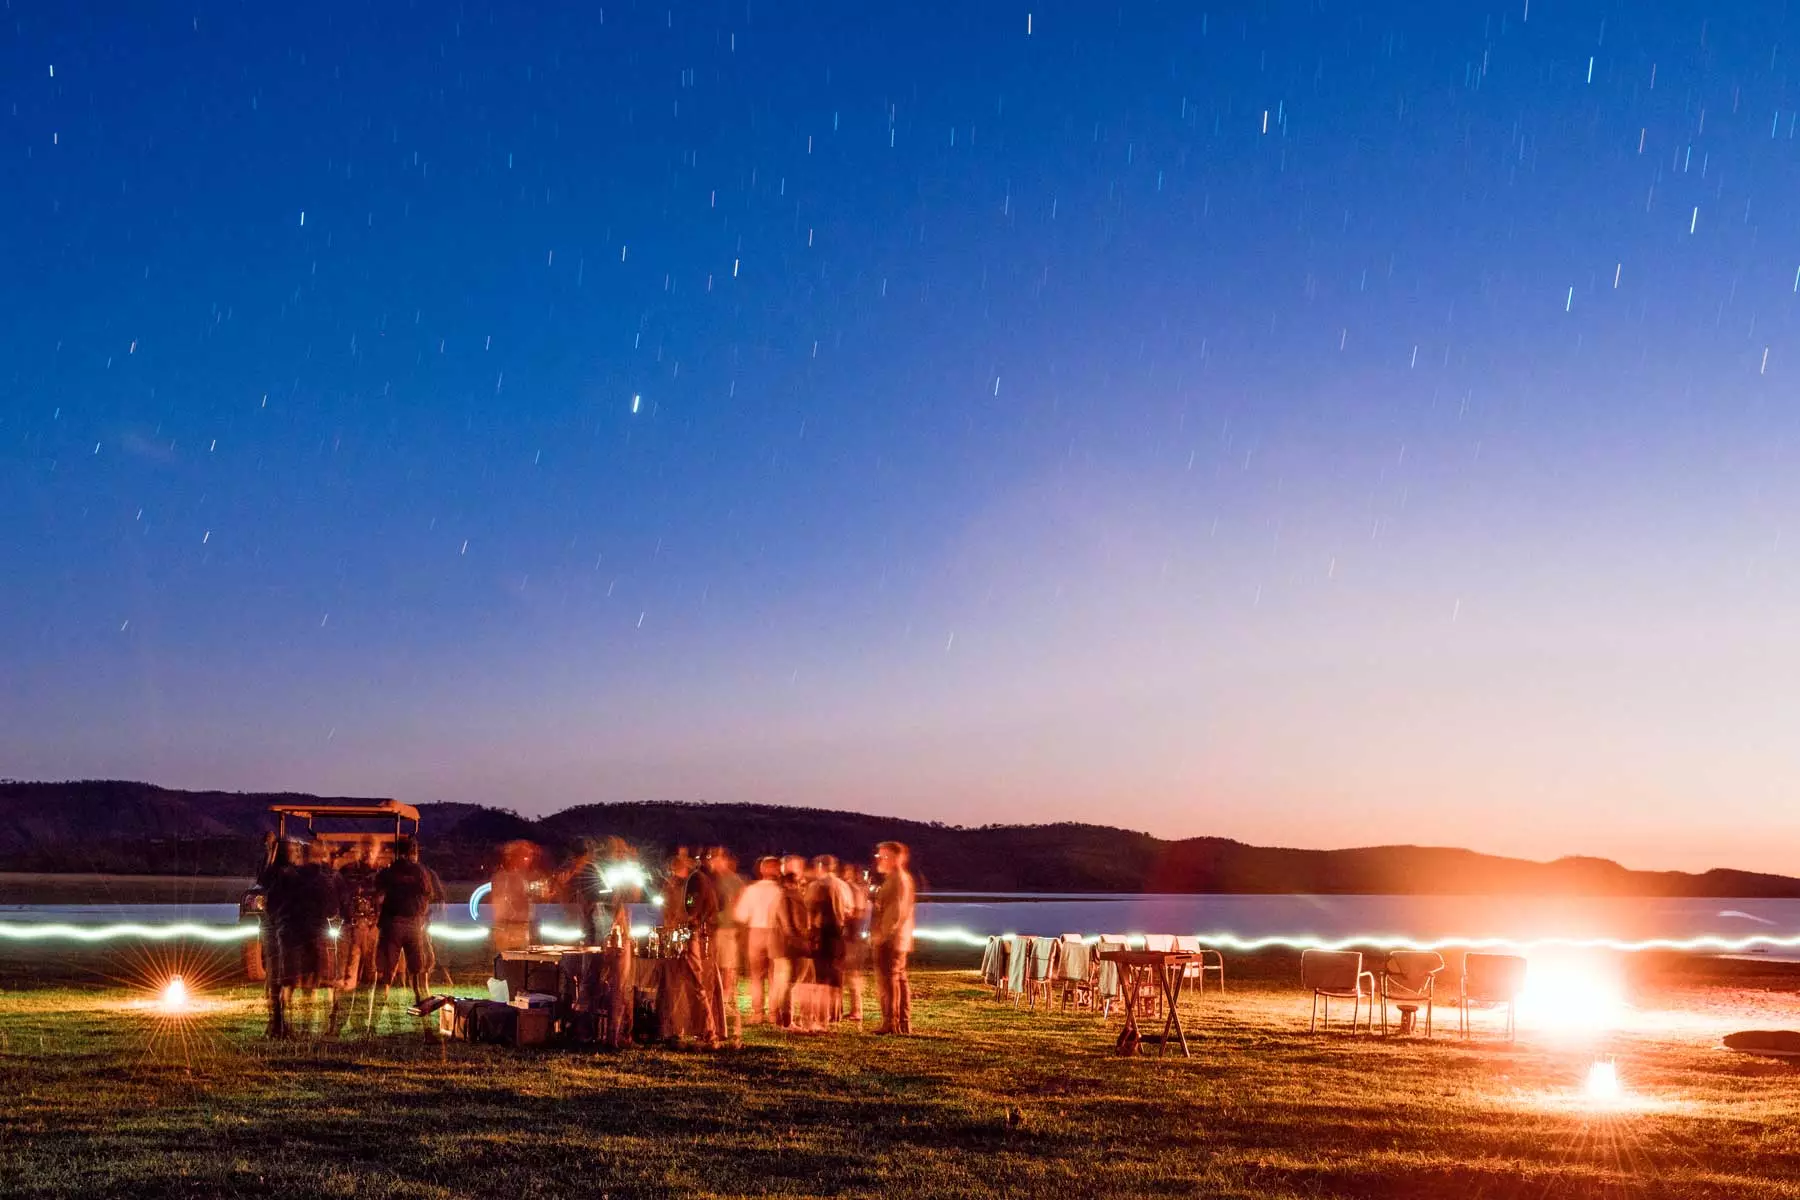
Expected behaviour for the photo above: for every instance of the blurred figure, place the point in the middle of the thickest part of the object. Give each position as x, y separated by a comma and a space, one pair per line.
728, 944
700, 903
827, 902
511, 897
891, 935
579, 887
674, 891
360, 906
755, 915
620, 879
407, 892
276, 880
312, 899
792, 966
856, 946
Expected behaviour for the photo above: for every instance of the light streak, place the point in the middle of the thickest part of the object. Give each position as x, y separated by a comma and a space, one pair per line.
475, 898
35, 931
38, 931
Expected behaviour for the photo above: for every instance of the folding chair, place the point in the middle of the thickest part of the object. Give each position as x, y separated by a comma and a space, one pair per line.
993, 965
1211, 961
1492, 979
1410, 981
1041, 958
1339, 974
1107, 988
1018, 967
1074, 974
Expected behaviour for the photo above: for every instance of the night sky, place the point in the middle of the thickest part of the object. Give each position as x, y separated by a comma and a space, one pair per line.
1318, 424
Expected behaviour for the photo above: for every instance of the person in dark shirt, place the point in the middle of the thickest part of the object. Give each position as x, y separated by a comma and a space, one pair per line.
407, 892
274, 880
311, 898
357, 937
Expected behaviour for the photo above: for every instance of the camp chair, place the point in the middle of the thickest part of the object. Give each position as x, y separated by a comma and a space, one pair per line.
1211, 961
1041, 959
994, 965
1018, 966
1107, 988
1340, 974
1159, 941
1074, 976
1493, 979
1410, 981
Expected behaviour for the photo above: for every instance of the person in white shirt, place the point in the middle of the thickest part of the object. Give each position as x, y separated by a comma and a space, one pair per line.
755, 912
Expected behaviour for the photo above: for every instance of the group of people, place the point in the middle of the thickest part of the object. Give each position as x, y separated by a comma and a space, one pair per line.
802, 935
382, 913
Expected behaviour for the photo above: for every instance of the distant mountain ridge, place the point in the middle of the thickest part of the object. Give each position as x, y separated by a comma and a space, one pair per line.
137, 828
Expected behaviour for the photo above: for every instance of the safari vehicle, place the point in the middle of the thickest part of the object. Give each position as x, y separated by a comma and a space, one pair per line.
342, 827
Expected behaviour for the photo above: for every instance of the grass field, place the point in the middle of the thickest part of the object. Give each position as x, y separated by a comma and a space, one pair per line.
105, 1099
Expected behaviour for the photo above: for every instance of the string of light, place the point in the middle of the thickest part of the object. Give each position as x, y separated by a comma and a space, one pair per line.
41, 931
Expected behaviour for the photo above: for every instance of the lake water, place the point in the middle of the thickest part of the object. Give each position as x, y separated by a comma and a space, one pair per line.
1403, 918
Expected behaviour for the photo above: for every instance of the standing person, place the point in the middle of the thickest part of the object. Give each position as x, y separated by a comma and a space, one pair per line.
510, 894
728, 946
701, 905
792, 967
403, 923
891, 935
755, 915
827, 903
621, 881
314, 898
856, 946
357, 938
275, 879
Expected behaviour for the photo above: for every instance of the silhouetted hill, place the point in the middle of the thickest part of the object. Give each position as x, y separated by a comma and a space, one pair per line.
120, 827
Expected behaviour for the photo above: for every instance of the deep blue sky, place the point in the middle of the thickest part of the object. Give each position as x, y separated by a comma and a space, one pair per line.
1317, 424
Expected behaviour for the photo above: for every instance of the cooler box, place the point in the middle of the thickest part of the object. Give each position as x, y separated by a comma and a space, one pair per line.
534, 1001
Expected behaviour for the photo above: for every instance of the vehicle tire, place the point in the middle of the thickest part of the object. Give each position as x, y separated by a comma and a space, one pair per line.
253, 959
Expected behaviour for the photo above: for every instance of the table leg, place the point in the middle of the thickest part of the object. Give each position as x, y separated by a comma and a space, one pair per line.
1172, 981
1129, 983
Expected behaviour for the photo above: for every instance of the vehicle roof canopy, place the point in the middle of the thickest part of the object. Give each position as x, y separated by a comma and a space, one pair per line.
389, 809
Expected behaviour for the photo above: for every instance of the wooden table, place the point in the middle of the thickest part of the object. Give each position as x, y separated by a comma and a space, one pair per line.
1169, 967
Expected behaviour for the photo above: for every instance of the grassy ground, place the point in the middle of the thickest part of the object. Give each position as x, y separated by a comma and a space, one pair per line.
108, 1100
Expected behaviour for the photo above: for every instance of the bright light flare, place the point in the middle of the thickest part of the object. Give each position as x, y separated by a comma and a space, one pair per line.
1573, 996
175, 999
1603, 1086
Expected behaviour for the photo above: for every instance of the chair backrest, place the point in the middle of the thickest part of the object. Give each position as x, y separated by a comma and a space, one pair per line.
1106, 980
993, 961
1017, 962
1044, 954
1493, 977
1187, 945
1073, 937
1159, 941
1330, 970
1413, 969
1117, 941
1076, 961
